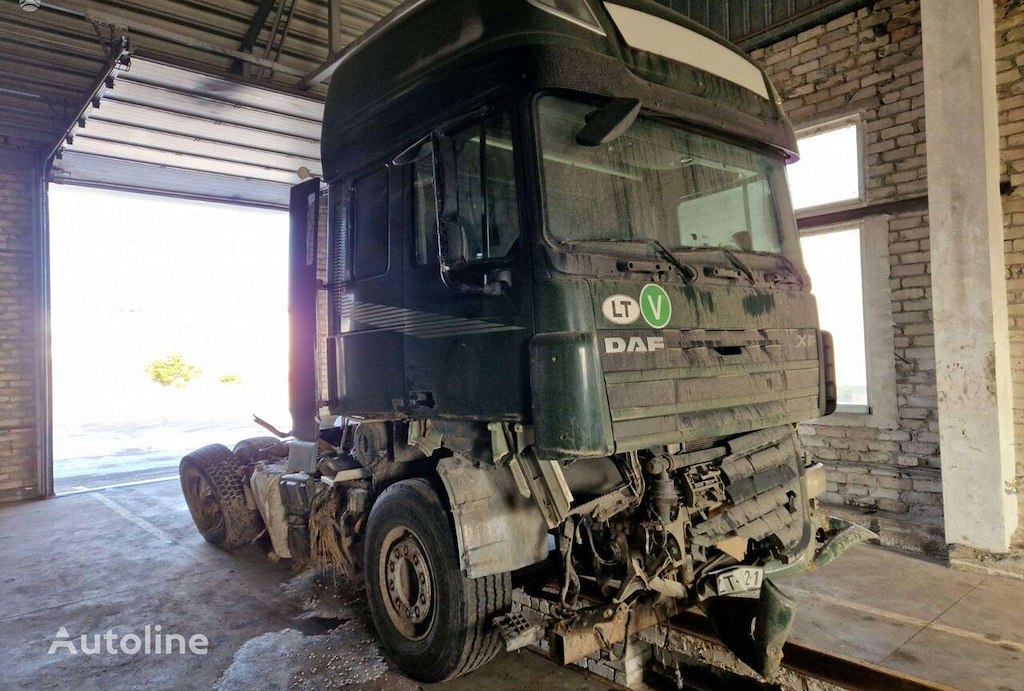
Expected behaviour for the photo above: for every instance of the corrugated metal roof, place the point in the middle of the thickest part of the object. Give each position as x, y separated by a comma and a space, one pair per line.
752, 24
164, 129
50, 59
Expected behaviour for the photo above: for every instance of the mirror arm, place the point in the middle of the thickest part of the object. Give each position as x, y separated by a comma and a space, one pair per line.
608, 123
446, 193
447, 199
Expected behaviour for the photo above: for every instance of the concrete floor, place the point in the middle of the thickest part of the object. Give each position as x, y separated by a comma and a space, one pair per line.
964, 630
129, 557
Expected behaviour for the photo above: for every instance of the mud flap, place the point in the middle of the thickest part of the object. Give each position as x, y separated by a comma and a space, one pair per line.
754, 629
496, 528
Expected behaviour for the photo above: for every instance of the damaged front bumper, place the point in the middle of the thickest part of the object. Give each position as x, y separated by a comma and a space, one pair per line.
755, 630
753, 625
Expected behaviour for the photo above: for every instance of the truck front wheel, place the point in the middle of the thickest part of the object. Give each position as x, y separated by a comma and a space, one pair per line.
434, 622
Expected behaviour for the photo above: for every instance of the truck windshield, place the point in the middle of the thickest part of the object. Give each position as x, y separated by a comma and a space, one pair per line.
656, 181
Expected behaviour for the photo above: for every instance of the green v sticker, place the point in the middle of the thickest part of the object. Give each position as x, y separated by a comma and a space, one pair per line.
655, 306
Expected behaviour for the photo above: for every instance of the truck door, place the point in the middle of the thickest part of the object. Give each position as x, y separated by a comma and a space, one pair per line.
466, 354
366, 353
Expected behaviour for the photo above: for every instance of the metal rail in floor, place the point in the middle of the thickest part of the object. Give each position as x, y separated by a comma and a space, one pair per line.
798, 658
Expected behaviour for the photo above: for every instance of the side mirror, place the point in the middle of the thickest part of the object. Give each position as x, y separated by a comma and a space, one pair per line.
451, 239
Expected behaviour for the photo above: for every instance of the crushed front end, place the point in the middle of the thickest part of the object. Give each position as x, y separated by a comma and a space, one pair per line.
692, 525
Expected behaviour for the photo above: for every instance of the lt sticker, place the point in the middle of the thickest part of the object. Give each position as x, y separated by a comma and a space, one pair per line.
655, 306
621, 309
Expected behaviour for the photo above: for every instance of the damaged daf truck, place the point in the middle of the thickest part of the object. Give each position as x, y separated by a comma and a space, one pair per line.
568, 339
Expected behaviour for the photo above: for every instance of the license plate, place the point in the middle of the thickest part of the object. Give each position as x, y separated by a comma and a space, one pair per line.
741, 579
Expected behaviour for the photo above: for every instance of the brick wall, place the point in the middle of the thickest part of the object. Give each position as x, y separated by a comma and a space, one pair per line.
19, 311
869, 63
1010, 91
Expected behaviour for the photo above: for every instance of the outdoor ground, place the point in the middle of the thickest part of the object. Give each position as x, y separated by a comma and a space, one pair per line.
203, 282
104, 455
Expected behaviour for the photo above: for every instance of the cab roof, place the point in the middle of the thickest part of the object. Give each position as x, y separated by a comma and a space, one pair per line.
430, 54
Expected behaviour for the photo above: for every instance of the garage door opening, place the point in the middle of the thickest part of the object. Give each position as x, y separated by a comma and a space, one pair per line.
169, 330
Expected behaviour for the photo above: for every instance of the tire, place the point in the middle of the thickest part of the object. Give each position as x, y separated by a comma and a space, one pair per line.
249, 451
451, 634
214, 490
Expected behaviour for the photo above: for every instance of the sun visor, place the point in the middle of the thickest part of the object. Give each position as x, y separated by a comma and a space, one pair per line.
653, 34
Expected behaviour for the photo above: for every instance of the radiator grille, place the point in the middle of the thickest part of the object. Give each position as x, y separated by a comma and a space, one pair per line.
762, 484
710, 384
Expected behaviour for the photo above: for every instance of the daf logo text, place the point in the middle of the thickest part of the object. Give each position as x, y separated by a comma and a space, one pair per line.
634, 344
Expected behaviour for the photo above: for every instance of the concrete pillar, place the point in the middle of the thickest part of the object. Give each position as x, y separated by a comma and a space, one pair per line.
968, 280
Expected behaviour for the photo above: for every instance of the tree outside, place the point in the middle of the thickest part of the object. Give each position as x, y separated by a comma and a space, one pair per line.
172, 370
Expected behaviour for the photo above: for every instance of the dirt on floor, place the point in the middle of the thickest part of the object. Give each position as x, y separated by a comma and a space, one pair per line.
332, 645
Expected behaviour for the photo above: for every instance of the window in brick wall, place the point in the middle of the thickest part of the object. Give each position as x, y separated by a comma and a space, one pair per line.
829, 169
833, 259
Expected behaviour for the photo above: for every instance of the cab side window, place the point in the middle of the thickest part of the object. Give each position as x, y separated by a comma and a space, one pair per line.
488, 209
424, 207
369, 225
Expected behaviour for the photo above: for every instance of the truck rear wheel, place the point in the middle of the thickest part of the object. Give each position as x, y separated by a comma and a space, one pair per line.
215, 493
433, 621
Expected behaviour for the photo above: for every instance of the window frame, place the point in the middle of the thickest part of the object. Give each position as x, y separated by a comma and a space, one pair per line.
854, 408
879, 340
856, 120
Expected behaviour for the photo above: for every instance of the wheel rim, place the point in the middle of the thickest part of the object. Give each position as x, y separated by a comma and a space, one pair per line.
206, 509
406, 583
